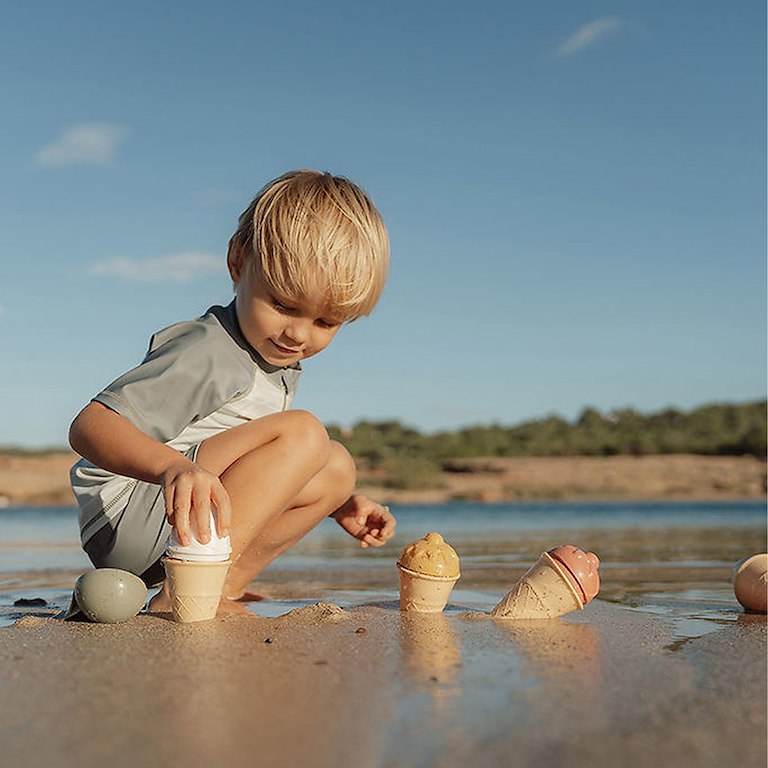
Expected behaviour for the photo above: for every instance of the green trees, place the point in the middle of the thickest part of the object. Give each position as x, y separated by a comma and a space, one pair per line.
720, 429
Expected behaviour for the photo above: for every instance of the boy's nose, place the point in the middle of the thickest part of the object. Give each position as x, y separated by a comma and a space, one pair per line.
297, 332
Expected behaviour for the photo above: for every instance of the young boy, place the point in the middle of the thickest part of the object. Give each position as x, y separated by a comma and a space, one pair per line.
202, 425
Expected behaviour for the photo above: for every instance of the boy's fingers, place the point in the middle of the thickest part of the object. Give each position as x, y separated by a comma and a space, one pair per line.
181, 505
201, 506
388, 529
169, 513
181, 524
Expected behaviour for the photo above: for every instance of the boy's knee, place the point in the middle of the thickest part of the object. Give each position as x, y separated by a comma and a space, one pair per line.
307, 432
341, 467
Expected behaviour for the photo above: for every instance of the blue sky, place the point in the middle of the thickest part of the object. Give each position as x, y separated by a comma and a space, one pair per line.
575, 194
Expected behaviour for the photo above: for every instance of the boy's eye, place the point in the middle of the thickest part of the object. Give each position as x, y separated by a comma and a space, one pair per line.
288, 309
277, 304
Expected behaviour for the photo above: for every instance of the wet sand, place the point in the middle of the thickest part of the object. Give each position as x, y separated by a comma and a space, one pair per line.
369, 686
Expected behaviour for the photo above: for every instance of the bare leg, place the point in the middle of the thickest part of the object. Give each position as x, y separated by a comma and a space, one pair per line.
283, 475
324, 493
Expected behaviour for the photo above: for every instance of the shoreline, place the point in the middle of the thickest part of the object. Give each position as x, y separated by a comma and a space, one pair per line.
369, 686
44, 480
664, 667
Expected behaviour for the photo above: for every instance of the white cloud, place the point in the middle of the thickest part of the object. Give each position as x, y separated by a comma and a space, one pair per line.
83, 144
588, 35
177, 267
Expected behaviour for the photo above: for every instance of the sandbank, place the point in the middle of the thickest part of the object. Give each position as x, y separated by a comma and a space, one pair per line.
44, 479
369, 686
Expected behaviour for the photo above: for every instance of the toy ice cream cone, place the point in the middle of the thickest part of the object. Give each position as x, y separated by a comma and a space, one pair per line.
195, 588
428, 570
423, 593
195, 573
562, 580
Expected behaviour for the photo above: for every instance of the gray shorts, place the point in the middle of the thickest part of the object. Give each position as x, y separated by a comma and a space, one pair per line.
135, 540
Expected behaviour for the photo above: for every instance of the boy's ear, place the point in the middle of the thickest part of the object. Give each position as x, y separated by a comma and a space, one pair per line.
234, 260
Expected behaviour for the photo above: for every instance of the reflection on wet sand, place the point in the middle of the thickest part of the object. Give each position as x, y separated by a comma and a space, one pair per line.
429, 647
556, 649
431, 659
202, 719
564, 662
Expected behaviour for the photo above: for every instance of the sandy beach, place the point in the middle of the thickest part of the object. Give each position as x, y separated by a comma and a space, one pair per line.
44, 479
369, 686
664, 668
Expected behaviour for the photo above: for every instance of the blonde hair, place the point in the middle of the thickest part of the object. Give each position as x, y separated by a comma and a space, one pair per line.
308, 230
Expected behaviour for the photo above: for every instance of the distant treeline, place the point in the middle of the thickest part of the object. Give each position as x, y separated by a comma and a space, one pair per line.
713, 430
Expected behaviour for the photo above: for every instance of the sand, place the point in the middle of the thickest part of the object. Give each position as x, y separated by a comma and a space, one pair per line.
44, 479
369, 686
580, 478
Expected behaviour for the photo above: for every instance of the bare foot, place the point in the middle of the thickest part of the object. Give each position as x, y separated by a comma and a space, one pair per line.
246, 596
160, 603
229, 607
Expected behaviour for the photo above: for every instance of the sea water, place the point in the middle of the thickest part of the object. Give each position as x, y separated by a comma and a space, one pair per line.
655, 556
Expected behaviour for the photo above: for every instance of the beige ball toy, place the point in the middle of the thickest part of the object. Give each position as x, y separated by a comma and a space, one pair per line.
750, 583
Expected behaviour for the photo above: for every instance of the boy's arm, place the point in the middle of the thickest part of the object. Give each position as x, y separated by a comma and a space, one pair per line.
110, 441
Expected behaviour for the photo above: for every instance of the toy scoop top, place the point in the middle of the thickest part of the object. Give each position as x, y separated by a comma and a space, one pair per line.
217, 549
431, 556
580, 567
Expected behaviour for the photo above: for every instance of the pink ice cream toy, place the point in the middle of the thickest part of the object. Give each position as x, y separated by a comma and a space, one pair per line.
563, 579
580, 567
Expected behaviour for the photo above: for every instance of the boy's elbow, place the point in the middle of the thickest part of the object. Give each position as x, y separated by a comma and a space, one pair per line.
78, 429
74, 435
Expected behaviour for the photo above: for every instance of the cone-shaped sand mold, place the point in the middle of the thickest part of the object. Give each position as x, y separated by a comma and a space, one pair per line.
428, 570
562, 580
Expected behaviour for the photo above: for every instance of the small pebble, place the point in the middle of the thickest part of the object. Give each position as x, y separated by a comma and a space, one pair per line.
360, 631
29, 602
268, 640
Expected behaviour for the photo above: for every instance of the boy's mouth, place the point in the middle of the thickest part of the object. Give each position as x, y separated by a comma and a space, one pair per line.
285, 350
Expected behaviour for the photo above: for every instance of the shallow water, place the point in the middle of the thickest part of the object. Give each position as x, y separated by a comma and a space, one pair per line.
670, 559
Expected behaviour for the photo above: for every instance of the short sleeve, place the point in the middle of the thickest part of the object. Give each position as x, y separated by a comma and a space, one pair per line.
190, 370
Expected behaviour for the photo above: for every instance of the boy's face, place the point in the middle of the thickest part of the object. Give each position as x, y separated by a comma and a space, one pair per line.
282, 330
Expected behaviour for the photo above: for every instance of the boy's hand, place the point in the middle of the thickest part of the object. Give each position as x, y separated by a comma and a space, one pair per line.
366, 520
190, 494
